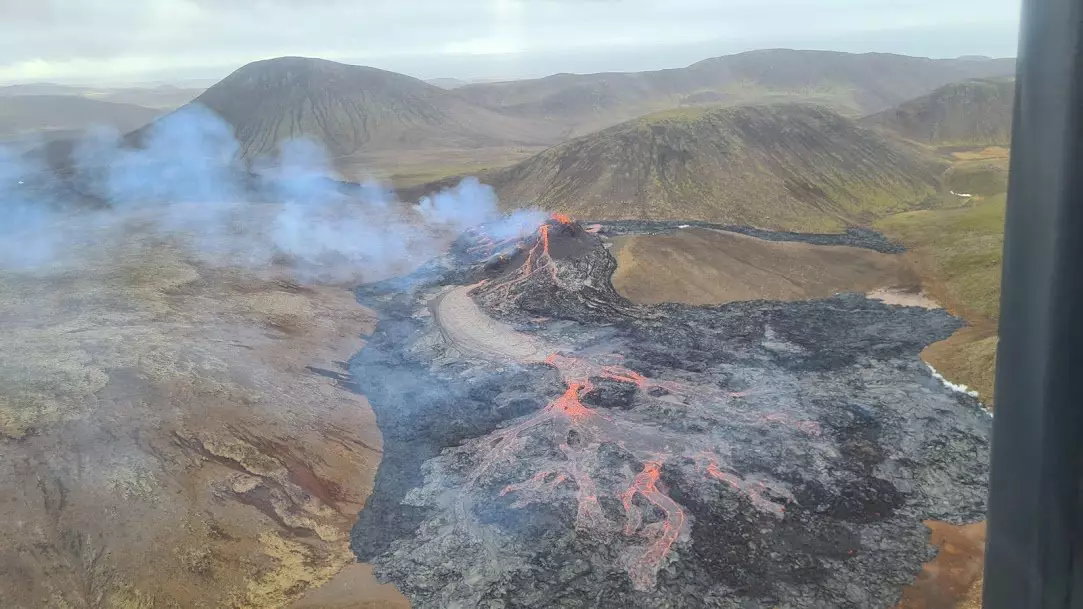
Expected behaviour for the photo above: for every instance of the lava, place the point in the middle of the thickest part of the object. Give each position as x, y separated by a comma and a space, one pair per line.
755, 491
571, 419
537, 260
644, 568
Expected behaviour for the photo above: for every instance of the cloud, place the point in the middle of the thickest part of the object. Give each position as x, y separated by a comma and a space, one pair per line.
68, 38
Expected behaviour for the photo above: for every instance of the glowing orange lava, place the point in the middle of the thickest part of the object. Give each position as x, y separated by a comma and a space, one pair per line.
567, 413
537, 259
753, 490
644, 568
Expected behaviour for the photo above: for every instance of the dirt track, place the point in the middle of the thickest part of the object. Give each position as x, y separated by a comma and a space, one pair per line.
475, 334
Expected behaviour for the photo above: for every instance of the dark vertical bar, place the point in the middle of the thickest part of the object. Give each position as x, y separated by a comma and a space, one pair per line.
1033, 555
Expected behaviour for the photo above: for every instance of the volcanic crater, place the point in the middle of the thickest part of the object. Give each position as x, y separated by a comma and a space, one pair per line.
549, 443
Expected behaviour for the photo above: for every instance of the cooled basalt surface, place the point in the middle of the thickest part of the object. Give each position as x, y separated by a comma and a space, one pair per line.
547, 443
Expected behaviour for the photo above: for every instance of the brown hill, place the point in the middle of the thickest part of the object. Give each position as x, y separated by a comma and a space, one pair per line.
973, 112
50, 116
792, 166
852, 83
354, 109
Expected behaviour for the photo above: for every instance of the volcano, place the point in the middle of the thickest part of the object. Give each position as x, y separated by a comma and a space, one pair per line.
548, 443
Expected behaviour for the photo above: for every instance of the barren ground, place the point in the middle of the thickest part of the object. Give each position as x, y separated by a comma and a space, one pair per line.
175, 435
698, 266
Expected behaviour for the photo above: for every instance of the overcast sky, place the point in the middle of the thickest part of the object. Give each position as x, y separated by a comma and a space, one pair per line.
110, 41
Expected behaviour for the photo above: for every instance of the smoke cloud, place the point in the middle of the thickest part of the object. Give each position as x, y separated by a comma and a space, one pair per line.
183, 181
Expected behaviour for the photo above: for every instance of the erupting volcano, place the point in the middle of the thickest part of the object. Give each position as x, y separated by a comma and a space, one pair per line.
548, 443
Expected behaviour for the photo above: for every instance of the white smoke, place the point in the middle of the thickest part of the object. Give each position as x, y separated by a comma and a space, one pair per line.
183, 181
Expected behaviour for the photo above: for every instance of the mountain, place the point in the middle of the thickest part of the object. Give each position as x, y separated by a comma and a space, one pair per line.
41, 88
354, 109
161, 97
50, 116
856, 84
973, 112
166, 97
788, 166
447, 83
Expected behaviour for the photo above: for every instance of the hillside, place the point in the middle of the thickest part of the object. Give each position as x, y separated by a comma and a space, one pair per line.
973, 112
34, 115
162, 97
354, 109
792, 166
857, 84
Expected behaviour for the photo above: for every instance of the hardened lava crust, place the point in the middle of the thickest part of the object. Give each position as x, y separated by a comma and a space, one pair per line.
549, 444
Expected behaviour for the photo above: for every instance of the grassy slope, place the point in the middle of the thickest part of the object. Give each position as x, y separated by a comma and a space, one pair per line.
791, 166
969, 113
960, 251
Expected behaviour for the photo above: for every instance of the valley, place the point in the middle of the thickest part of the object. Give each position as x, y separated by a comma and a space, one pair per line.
703, 360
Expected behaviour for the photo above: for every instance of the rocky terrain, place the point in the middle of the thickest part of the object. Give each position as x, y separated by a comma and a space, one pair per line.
549, 443
177, 434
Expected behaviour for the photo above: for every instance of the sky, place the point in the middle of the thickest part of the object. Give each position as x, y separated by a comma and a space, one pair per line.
127, 41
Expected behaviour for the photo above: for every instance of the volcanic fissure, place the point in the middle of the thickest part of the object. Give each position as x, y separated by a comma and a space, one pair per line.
744, 455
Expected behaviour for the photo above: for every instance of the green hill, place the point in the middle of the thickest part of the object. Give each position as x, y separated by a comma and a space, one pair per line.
970, 113
790, 166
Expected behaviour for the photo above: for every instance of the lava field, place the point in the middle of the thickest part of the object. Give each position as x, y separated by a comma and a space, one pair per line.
549, 444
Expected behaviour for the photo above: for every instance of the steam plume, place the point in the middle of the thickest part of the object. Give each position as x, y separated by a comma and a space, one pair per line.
184, 181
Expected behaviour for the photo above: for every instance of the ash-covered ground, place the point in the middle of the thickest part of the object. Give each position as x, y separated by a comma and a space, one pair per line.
549, 444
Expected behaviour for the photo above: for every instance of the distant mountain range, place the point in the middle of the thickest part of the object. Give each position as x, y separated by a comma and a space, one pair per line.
357, 110
769, 138
161, 97
851, 83
37, 116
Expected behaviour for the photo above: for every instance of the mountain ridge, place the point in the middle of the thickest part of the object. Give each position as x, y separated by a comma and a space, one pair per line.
858, 83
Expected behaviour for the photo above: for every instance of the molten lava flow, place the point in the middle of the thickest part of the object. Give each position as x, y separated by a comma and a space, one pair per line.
644, 568
753, 490
579, 431
589, 514
535, 484
578, 370
537, 259
569, 403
